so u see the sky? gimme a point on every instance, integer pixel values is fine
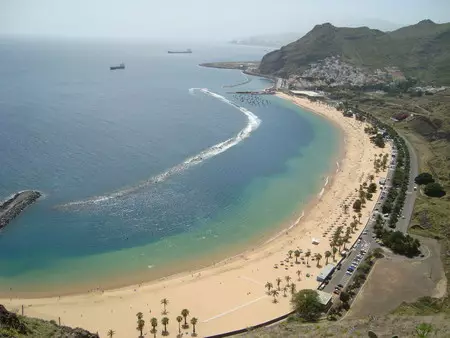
(206, 19)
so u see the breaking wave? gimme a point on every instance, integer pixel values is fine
(252, 125)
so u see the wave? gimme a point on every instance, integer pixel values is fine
(252, 124)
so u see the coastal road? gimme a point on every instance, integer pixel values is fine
(367, 239)
(411, 194)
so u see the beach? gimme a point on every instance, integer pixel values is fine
(231, 294)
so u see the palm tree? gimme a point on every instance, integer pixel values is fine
(269, 286)
(359, 217)
(335, 250)
(275, 294)
(371, 178)
(290, 252)
(345, 208)
(318, 258)
(139, 315)
(297, 254)
(140, 326)
(164, 302)
(293, 288)
(154, 324)
(287, 279)
(111, 333)
(185, 313)
(164, 322)
(354, 218)
(278, 283)
(194, 322)
(307, 254)
(179, 320)
(327, 256)
(299, 272)
(285, 289)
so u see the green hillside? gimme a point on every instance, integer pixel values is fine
(421, 50)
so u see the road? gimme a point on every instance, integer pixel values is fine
(411, 194)
(367, 239)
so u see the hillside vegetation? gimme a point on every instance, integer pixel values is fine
(421, 50)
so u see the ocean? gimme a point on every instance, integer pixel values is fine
(146, 171)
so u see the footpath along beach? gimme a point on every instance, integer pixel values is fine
(231, 295)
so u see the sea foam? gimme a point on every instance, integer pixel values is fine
(253, 123)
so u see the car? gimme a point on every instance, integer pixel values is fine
(348, 273)
(415, 188)
(337, 292)
(351, 269)
(364, 232)
(340, 286)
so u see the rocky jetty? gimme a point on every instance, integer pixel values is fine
(13, 206)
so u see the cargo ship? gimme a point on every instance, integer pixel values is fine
(121, 66)
(187, 51)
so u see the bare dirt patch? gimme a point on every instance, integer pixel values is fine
(395, 280)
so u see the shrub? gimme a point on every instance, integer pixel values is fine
(434, 190)
(424, 178)
(357, 205)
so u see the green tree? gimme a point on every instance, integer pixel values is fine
(154, 324)
(111, 333)
(194, 322)
(357, 205)
(164, 302)
(179, 320)
(327, 256)
(278, 280)
(372, 188)
(185, 314)
(165, 322)
(344, 297)
(307, 304)
(434, 190)
(297, 255)
(424, 178)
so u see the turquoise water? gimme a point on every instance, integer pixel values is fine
(95, 142)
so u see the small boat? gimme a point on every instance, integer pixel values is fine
(121, 66)
(187, 51)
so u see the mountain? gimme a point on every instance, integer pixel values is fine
(268, 40)
(421, 50)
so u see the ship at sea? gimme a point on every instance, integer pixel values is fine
(187, 51)
(121, 66)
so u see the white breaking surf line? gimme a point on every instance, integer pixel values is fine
(252, 124)
(235, 309)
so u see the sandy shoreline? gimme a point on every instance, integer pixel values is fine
(231, 294)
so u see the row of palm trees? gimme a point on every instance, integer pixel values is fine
(275, 292)
(164, 321)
